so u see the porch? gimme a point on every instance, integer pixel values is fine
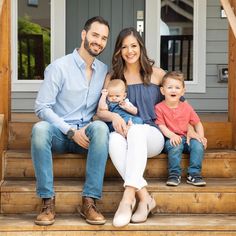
(185, 210)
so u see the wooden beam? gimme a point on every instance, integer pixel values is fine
(232, 74)
(1, 2)
(228, 7)
(2, 140)
(5, 73)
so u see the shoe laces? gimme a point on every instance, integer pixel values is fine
(92, 206)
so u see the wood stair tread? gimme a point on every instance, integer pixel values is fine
(158, 222)
(216, 164)
(115, 185)
(209, 153)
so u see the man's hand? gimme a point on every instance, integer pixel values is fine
(80, 138)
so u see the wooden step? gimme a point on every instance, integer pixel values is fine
(158, 225)
(217, 163)
(219, 196)
(219, 134)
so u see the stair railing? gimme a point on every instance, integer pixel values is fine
(230, 8)
(5, 76)
(230, 15)
(2, 148)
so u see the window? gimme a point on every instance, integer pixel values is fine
(34, 30)
(34, 36)
(189, 19)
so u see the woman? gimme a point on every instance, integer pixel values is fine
(129, 150)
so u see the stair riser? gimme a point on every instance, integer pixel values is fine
(219, 135)
(167, 202)
(218, 167)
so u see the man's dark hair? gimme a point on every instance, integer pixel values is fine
(98, 19)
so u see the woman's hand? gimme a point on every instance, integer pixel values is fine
(81, 138)
(193, 134)
(119, 124)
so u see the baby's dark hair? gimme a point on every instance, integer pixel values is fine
(177, 75)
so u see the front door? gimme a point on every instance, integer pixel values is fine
(119, 14)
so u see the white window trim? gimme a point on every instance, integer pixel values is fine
(58, 21)
(153, 13)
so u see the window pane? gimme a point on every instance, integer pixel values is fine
(33, 38)
(177, 36)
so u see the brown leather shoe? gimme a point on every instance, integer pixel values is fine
(47, 214)
(90, 212)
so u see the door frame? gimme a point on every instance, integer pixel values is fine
(152, 24)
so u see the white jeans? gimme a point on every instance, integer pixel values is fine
(129, 156)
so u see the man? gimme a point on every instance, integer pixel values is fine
(66, 102)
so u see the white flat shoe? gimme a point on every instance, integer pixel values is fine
(143, 210)
(123, 214)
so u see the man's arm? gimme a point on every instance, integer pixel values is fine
(46, 98)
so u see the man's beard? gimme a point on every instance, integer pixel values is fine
(91, 52)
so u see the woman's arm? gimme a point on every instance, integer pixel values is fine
(157, 75)
(200, 131)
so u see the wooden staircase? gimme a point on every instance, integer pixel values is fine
(183, 210)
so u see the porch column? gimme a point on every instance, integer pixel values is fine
(232, 77)
(5, 75)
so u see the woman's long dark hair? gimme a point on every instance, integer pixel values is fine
(118, 62)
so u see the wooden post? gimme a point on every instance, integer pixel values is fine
(232, 72)
(5, 74)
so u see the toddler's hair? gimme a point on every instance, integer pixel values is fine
(177, 75)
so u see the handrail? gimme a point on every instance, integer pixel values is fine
(230, 15)
(1, 4)
(1, 125)
(2, 143)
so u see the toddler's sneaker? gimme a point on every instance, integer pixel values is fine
(173, 180)
(195, 180)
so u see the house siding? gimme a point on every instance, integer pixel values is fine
(216, 97)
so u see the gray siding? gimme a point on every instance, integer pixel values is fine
(119, 14)
(216, 96)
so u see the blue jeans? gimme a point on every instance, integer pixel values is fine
(46, 139)
(196, 151)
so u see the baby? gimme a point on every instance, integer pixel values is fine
(114, 99)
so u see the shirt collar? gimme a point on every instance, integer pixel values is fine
(80, 61)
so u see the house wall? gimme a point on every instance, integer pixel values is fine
(215, 98)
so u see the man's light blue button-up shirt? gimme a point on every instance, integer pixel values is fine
(66, 98)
